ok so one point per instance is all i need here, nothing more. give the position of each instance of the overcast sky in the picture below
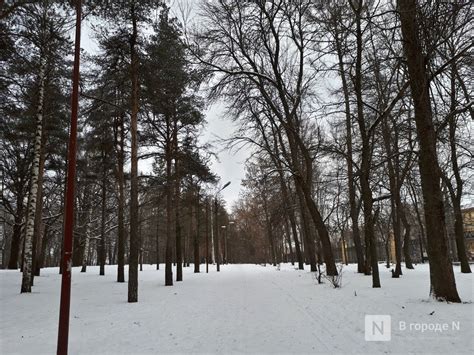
(229, 166)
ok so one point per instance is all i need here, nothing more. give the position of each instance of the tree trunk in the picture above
(141, 251)
(16, 236)
(366, 192)
(443, 284)
(291, 217)
(308, 237)
(396, 222)
(269, 229)
(456, 194)
(460, 243)
(395, 203)
(288, 241)
(406, 241)
(101, 251)
(120, 139)
(157, 239)
(303, 182)
(350, 169)
(421, 235)
(42, 247)
(39, 212)
(197, 262)
(177, 211)
(387, 252)
(169, 208)
(370, 243)
(85, 254)
(30, 221)
(133, 258)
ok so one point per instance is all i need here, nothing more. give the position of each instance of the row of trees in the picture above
(359, 118)
(352, 108)
(139, 91)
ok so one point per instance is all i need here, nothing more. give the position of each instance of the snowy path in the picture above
(243, 309)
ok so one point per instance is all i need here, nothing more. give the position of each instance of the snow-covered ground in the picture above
(242, 309)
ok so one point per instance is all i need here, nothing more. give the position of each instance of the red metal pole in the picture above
(63, 329)
(207, 234)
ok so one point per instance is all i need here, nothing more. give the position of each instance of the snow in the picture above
(242, 309)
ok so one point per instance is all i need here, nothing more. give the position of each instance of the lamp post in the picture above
(224, 231)
(63, 328)
(218, 256)
(231, 223)
(207, 235)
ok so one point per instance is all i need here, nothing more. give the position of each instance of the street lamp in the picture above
(216, 225)
(231, 223)
(225, 243)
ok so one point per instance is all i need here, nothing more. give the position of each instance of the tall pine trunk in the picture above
(85, 254)
(157, 239)
(134, 242)
(197, 262)
(101, 250)
(177, 207)
(119, 140)
(169, 208)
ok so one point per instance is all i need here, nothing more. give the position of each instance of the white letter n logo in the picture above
(378, 327)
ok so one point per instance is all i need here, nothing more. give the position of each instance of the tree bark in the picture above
(308, 237)
(443, 284)
(288, 240)
(134, 242)
(16, 235)
(460, 242)
(169, 208)
(197, 262)
(30, 221)
(85, 254)
(177, 211)
(406, 241)
(120, 151)
(157, 239)
(37, 237)
(101, 251)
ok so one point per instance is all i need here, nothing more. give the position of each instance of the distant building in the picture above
(468, 219)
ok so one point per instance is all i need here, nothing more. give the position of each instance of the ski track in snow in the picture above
(242, 309)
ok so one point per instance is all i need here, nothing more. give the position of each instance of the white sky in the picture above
(229, 166)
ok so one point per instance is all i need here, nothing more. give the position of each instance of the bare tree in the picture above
(443, 285)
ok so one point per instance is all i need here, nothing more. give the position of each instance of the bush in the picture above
(335, 281)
